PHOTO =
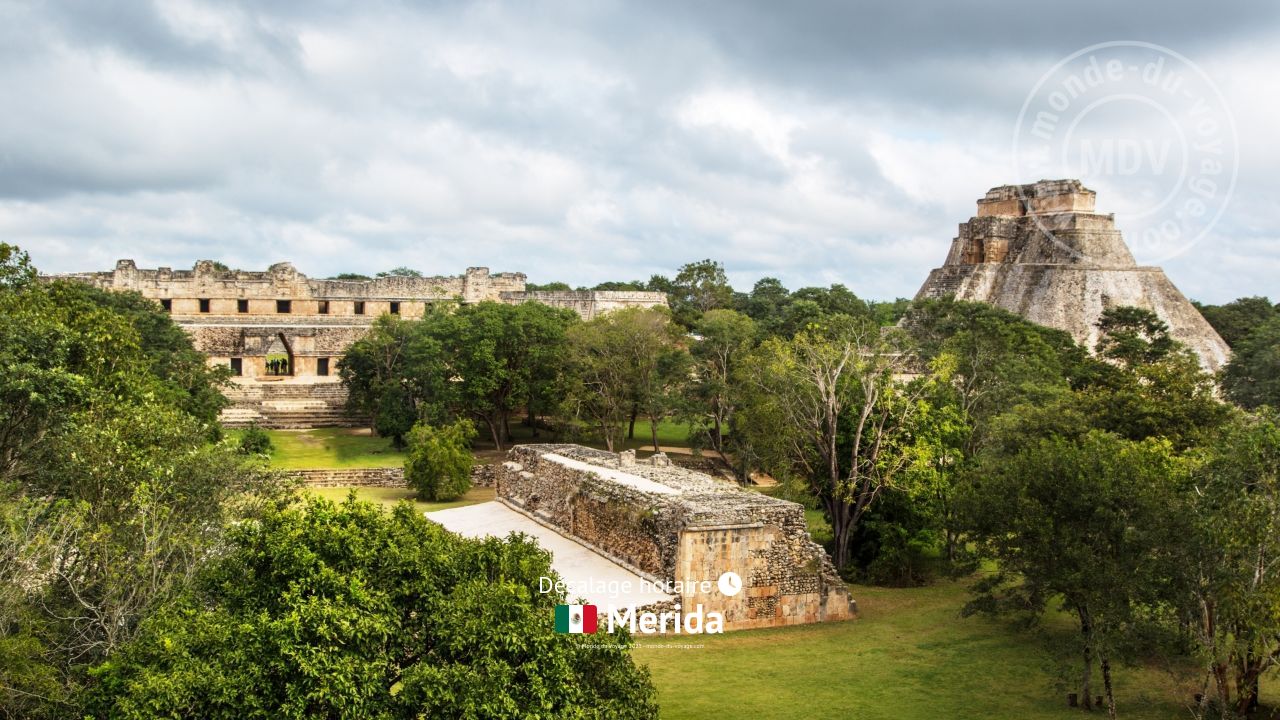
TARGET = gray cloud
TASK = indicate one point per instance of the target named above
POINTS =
(583, 141)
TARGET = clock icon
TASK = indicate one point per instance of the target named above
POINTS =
(730, 584)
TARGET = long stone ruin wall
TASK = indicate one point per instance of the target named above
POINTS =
(680, 525)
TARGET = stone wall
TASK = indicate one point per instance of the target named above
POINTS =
(244, 316)
(481, 476)
(673, 524)
(353, 477)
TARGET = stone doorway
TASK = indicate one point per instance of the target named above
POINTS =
(279, 360)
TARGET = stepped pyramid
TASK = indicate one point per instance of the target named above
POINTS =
(1041, 251)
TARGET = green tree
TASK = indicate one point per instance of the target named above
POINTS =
(699, 287)
(1083, 519)
(500, 357)
(108, 475)
(723, 338)
(622, 364)
(829, 407)
(766, 304)
(1228, 534)
(348, 611)
(1252, 376)
(350, 276)
(1146, 384)
(1237, 319)
(439, 462)
(551, 286)
(375, 370)
(401, 271)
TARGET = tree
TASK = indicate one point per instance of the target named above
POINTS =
(551, 286)
(766, 304)
(376, 370)
(482, 361)
(1225, 548)
(698, 287)
(828, 407)
(401, 271)
(350, 276)
(724, 337)
(499, 357)
(994, 360)
(1236, 320)
(623, 362)
(1083, 519)
(1147, 385)
(1252, 376)
(1133, 336)
(109, 476)
(622, 285)
(439, 462)
(347, 611)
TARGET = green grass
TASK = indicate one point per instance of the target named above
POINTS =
(332, 448)
(389, 497)
(908, 655)
(341, 448)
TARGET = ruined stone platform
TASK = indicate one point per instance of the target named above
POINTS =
(677, 528)
(1041, 251)
(577, 564)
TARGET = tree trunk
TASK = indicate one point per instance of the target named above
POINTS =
(1086, 633)
(1106, 683)
(494, 433)
(506, 427)
(841, 528)
(631, 427)
(653, 432)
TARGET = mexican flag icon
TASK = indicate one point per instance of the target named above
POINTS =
(576, 619)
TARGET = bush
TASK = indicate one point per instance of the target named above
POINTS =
(256, 441)
(440, 460)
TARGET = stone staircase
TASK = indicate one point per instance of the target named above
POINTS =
(288, 406)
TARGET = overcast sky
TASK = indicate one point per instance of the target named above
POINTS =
(816, 142)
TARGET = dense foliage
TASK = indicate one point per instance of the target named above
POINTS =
(112, 490)
(439, 461)
(346, 611)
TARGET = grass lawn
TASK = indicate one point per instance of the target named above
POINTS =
(335, 448)
(332, 448)
(909, 655)
(389, 497)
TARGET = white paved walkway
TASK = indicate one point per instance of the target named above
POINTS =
(591, 576)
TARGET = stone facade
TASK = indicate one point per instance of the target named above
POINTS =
(281, 326)
(670, 524)
(1041, 251)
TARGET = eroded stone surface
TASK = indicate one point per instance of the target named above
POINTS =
(699, 529)
(1041, 251)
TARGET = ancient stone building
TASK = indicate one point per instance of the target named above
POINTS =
(1042, 251)
(282, 333)
(673, 525)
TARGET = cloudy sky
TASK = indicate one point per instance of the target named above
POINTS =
(816, 142)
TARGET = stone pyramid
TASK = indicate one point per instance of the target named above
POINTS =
(1041, 251)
